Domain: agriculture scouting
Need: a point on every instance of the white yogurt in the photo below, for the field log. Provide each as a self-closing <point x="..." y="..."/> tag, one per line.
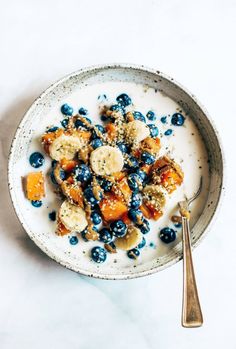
<point x="184" y="145"/>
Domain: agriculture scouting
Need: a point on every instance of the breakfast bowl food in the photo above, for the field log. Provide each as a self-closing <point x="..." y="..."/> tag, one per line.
<point x="105" y="155"/>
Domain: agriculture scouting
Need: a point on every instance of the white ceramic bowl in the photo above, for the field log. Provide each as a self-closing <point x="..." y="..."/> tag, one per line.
<point x="37" y="225"/>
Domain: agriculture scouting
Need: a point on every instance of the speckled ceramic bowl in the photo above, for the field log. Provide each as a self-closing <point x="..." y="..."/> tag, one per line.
<point x="37" y="225"/>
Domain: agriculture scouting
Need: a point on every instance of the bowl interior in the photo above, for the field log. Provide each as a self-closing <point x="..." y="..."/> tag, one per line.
<point x="27" y="138"/>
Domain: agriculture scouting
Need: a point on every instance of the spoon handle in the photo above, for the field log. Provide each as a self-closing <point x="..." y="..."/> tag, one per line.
<point x="191" y="310"/>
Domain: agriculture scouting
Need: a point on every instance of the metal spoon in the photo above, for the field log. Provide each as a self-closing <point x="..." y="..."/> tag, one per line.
<point x="191" y="309"/>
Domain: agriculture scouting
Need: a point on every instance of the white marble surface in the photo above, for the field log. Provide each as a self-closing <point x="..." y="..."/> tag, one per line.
<point x="43" y="305"/>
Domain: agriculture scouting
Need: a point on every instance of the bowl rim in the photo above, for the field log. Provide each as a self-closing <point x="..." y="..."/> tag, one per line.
<point x="50" y="254"/>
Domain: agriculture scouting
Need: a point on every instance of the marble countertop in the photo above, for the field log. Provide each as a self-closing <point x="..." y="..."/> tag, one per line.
<point x="43" y="305"/>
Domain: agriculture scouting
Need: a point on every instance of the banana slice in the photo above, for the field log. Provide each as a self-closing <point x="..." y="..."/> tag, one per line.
<point x="73" y="217"/>
<point x="65" y="146"/>
<point x="136" y="131"/>
<point x="156" y="195"/>
<point x="106" y="160"/>
<point x="132" y="238"/>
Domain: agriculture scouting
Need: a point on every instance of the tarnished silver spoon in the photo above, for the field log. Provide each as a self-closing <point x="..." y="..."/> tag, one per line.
<point x="191" y="309"/>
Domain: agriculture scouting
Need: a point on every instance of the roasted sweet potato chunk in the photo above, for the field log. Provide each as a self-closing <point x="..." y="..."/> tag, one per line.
<point x="112" y="207"/>
<point x="125" y="218"/>
<point x="145" y="211"/>
<point x="167" y="173"/>
<point x="124" y="189"/>
<point x="49" y="137"/>
<point x="151" y="145"/>
<point x="68" y="165"/>
<point x="35" y="186"/>
<point x="73" y="193"/>
<point x="155" y="214"/>
<point x="111" y="131"/>
<point x="118" y="175"/>
<point x="61" y="229"/>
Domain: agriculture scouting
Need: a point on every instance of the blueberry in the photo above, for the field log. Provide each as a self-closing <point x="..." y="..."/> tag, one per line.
<point x="83" y="235"/>
<point x="54" y="163"/>
<point x="36" y="159"/>
<point x="142" y="243"/>
<point x="124" y="100"/>
<point x="105" y="184"/>
<point x="95" y="228"/>
<point x="134" y="182"/>
<point x="152" y="245"/>
<point x="145" y="226"/>
<point x="89" y="196"/>
<point x="151" y="115"/>
<point x="123" y="147"/>
<point x="139" y="116"/>
<point x="80" y="123"/>
<point x="74" y="240"/>
<point x="135" y="201"/>
<point x="82" y="173"/>
<point x="111" y="247"/>
<point x="168" y="132"/>
<point x="147" y="158"/>
<point x="167" y="235"/>
<point x="62" y="174"/>
<point x="65" y="122"/>
<point x="99" y="128"/>
<point x="119" y="108"/>
<point x="96" y="143"/>
<point x="104" y="117"/>
<point x="36" y="203"/>
<point x="94" y="135"/>
<point x="52" y="129"/>
<point x="105" y="235"/>
<point x="89" y="121"/>
<point x="178" y="225"/>
<point x="135" y="215"/>
<point x="52" y="216"/>
<point x="52" y="176"/>
<point x="134" y="253"/>
<point x="84" y="232"/>
<point x="131" y="163"/>
<point x="153" y="130"/>
<point x="66" y="109"/>
<point x="163" y="119"/>
<point x="177" y="119"/>
<point x="98" y="254"/>
<point x="119" y="228"/>
<point x="83" y="111"/>
<point x="96" y="218"/>
<point x="142" y="175"/>
<point x="102" y="97"/>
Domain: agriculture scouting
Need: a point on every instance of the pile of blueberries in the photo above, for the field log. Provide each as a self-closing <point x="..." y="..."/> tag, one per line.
<point x="117" y="228"/>
<point x="107" y="235"/>
<point x="136" y="179"/>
